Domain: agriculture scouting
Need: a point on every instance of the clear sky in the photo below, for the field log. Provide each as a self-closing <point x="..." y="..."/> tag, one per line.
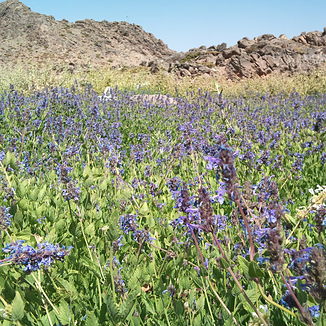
<point x="184" y="24"/>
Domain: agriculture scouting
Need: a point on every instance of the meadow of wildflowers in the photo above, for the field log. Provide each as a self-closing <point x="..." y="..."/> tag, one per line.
<point x="211" y="211"/>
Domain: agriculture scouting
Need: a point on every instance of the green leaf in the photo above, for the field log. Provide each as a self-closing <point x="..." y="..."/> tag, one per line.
<point x="33" y="195"/>
<point x="18" y="306"/>
<point x="254" y="295"/>
<point x="112" y="308"/>
<point x="60" y="225"/>
<point x="9" y="159"/>
<point x="144" y="209"/>
<point x="70" y="288"/>
<point x="104" y="185"/>
<point x="87" y="171"/>
<point x="19" y="217"/>
<point x="178" y="308"/>
<point x="64" y="313"/>
<point x="197" y="320"/>
<point x="244" y="265"/>
<point x="23" y="204"/>
<point x="224" y="263"/>
<point x="44" y="321"/>
<point x="41" y="193"/>
<point x="200" y="302"/>
<point x="90" y="229"/>
<point x="149" y="307"/>
<point x="22" y="188"/>
<point x="25" y="235"/>
<point x="254" y="270"/>
<point x="127" y="308"/>
<point x="91" y="319"/>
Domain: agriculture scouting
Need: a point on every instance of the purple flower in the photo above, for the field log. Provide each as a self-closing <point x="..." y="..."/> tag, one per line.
<point x="287" y="300"/>
<point x="63" y="171"/>
<point x="171" y="290"/>
<point x="71" y="192"/>
<point x="314" y="311"/>
<point x="128" y="223"/>
<point x="33" y="259"/>
<point x="5" y="217"/>
<point x="220" y="193"/>
<point x="271" y="216"/>
<point x="213" y="162"/>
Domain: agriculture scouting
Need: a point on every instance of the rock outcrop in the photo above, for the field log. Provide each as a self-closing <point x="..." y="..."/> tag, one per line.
<point x="261" y="56"/>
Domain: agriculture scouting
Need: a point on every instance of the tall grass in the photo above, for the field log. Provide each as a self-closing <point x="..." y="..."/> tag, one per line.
<point x="141" y="80"/>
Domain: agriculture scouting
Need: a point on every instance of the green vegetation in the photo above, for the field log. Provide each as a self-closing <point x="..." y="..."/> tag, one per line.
<point x="117" y="211"/>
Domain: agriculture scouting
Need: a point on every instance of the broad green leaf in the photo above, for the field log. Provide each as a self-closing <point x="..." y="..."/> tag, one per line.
<point x="200" y="302"/>
<point x="33" y="195"/>
<point x="244" y="265"/>
<point x="23" y="204"/>
<point x="41" y="193"/>
<point x="18" y="306"/>
<point x="64" y="313"/>
<point x="255" y="270"/>
<point x="19" y="217"/>
<point x="90" y="230"/>
<point x="91" y="319"/>
<point x="70" y="288"/>
<point x="22" y="188"/>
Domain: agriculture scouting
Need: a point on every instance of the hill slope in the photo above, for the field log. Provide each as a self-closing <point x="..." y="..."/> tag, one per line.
<point x="29" y="36"/>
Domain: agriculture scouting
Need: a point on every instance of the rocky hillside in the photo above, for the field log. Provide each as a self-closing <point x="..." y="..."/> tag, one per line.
<point x="28" y="36"/>
<point x="261" y="56"/>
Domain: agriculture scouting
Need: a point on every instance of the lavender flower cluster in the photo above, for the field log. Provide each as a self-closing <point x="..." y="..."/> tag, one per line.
<point x="70" y="190"/>
<point x="129" y="224"/>
<point x="32" y="259"/>
<point x="5" y="217"/>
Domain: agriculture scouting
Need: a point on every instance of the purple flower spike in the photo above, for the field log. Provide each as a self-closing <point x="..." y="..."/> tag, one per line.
<point x="32" y="259"/>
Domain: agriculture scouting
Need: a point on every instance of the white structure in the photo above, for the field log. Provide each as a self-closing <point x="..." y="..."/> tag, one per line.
<point x="159" y="99"/>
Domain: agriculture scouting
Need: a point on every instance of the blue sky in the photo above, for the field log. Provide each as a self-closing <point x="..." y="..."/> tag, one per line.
<point x="184" y="24"/>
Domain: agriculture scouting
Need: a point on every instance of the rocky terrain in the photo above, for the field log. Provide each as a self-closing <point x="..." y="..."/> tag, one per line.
<point x="29" y="37"/>
<point x="261" y="56"/>
<point x="26" y="36"/>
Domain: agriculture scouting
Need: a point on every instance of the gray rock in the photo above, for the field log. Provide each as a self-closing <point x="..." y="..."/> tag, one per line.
<point x="230" y="52"/>
<point x="283" y="37"/>
<point x="245" y="42"/>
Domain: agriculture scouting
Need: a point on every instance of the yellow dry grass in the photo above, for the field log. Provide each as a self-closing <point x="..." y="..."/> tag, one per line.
<point x="141" y="80"/>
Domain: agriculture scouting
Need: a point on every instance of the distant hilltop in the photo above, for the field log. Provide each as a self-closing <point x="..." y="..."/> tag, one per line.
<point x="27" y="37"/>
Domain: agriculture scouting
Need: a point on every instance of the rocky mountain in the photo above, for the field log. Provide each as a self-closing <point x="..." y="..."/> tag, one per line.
<point x="26" y="36"/>
<point x="29" y="37"/>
